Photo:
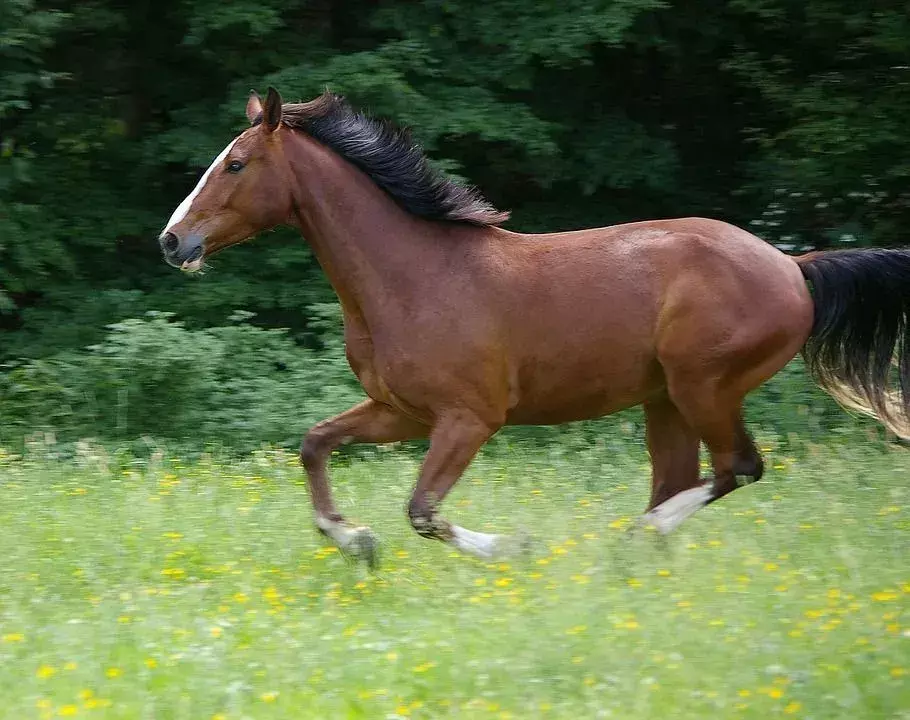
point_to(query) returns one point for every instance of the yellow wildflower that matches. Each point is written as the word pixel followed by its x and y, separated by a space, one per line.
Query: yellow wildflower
pixel 45 671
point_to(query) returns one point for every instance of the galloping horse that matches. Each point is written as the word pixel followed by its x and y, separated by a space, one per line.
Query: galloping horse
pixel 456 327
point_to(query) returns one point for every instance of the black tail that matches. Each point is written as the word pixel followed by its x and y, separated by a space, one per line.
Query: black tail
pixel 860 334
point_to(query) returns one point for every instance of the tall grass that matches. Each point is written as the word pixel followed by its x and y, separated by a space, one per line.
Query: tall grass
pixel 157 588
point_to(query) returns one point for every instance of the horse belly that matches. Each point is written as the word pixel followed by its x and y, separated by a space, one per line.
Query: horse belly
pixel 564 389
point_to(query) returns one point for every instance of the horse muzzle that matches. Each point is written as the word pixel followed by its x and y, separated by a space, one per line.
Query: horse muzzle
pixel 187 255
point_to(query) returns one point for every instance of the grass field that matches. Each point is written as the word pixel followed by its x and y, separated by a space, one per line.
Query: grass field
pixel 153 589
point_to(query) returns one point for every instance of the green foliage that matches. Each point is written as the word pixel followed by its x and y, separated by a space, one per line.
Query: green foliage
pixel 25 32
pixel 237 384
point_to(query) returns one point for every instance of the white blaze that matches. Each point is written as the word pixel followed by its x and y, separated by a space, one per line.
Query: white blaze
pixel 184 207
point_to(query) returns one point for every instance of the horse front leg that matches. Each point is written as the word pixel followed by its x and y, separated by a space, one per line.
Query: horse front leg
pixel 368 422
pixel 454 442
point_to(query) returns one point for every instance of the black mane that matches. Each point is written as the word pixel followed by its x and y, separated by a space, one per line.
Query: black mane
pixel 392 159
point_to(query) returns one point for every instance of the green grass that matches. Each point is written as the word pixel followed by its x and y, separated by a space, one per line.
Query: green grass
pixel 145 589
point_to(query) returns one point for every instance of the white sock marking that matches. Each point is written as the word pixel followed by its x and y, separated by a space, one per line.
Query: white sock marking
pixel 184 207
pixel 483 545
pixel 670 513
pixel 341 533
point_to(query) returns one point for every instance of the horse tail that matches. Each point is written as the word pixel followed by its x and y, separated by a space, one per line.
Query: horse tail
pixel 861 331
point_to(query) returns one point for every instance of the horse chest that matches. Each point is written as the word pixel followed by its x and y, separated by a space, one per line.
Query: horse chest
pixel 391 374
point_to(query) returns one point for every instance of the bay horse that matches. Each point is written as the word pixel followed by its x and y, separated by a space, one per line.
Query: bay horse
pixel 456 327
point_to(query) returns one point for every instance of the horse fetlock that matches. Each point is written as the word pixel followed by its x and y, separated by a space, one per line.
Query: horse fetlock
pixel 328 524
pixel 429 524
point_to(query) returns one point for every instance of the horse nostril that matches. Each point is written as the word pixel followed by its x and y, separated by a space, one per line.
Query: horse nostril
pixel 170 243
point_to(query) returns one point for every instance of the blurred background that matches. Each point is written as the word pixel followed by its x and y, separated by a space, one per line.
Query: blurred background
pixel 787 118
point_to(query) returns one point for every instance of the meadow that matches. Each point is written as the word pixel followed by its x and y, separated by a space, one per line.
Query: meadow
pixel 157 588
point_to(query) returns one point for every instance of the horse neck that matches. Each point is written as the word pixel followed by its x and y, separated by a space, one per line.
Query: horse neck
pixel 375 254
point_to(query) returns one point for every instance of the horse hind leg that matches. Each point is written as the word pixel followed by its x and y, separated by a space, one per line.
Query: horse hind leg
pixel 673 447
pixel 748 465
pixel 677 491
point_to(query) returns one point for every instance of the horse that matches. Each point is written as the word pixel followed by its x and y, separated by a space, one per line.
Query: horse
pixel 456 327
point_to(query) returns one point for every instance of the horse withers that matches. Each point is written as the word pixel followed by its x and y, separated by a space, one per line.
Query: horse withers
pixel 456 327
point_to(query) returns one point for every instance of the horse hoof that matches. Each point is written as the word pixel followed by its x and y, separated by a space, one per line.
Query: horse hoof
pixel 364 545
pixel 518 545
pixel 524 543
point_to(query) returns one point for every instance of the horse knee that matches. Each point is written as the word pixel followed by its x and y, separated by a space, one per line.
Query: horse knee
pixel 312 448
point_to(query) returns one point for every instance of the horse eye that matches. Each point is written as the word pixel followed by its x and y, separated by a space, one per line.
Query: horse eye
pixel 235 166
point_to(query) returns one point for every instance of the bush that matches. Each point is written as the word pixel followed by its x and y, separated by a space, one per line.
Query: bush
pixel 237 385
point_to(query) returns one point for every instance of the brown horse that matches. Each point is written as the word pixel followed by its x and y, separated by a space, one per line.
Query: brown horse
pixel 456 327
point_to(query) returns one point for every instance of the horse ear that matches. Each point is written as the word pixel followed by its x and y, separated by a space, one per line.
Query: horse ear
pixel 271 115
pixel 253 107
